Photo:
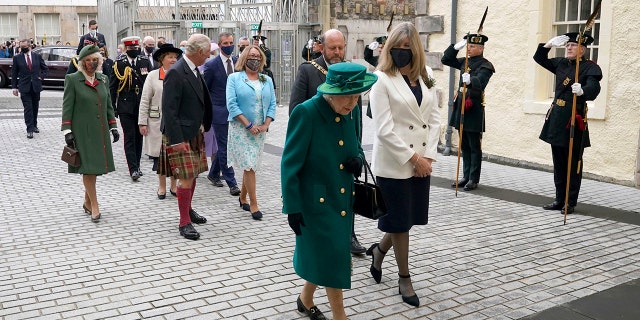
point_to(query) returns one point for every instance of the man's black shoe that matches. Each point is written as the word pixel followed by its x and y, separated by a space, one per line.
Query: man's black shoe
pixel 216 181
pixel 196 218
pixel 234 191
pixel 189 232
pixel 135 176
pixel 36 130
pixel 461 183
pixel 570 209
pixel 470 186
pixel 553 206
pixel 356 248
pixel 29 135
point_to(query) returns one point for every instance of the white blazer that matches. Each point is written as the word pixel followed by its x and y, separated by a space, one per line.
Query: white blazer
pixel 402 127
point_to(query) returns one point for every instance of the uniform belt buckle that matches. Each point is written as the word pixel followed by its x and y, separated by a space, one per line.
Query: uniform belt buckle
pixel 561 103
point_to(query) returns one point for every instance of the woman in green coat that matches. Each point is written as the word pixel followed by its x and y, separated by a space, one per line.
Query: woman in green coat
pixel 321 155
pixel 87 118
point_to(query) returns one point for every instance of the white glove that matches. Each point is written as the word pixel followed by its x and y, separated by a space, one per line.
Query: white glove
pixel 460 44
pixel 577 89
pixel 310 44
pixel 466 78
pixel 374 45
pixel 558 41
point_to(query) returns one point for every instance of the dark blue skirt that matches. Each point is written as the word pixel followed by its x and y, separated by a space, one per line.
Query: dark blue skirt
pixel 407 202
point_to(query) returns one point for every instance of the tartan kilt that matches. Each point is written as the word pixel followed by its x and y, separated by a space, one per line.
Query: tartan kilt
pixel 189 164
pixel 163 160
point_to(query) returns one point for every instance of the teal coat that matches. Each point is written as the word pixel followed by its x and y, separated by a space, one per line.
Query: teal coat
pixel 315 184
pixel 88 113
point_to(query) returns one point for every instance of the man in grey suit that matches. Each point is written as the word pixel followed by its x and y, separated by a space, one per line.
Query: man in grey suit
pixel 312 74
pixel 27 74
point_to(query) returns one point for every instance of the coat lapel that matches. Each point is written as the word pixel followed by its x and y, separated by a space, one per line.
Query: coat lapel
pixel 403 91
pixel 197 84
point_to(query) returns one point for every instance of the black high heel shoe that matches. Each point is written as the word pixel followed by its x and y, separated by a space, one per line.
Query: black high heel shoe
pixel 375 273
pixel 412 300
pixel 313 312
pixel 86 210
pixel 244 206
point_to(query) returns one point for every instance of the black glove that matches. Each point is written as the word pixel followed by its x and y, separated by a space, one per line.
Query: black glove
pixel 115 111
pixel 354 165
pixel 295 221
pixel 70 139
pixel 116 135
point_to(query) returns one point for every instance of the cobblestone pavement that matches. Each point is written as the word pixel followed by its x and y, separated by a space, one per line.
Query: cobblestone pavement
pixel 480 256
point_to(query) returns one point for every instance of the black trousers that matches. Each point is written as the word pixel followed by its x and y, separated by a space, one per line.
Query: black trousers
pixel 31 104
pixel 471 155
pixel 132 141
pixel 560 163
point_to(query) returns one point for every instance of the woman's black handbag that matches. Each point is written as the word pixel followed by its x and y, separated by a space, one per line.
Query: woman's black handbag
pixel 71 156
pixel 368 197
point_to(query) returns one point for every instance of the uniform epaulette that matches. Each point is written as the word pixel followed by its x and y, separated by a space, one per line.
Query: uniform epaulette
pixel 143 57
pixel 121 57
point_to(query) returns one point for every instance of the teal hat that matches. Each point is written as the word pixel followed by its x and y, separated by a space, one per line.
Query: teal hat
pixel 347 78
pixel 88 50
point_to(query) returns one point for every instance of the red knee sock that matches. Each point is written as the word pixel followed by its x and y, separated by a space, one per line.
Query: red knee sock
pixel 193 190
pixel 184 203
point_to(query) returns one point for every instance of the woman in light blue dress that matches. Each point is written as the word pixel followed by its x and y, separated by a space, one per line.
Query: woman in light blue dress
pixel 251 100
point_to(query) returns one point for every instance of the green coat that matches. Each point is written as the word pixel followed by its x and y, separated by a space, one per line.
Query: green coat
pixel 315 184
pixel 88 113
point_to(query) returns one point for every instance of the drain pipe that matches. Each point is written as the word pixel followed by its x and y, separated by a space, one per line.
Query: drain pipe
pixel 452 74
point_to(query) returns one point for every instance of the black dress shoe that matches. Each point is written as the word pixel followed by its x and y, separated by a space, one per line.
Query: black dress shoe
pixel 216 181
pixel 570 209
pixel 356 248
pixel 256 215
pixel 461 183
pixel 86 210
pixel 410 300
pixel 173 193
pixel 470 186
pixel 312 312
pixel 234 191
pixel 244 206
pixel 375 273
pixel 36 130
pixel 162 196
pixel 135 176
pixel 96 219
pixel 196 218
pixel 29 135
pixel 189 232
pixel 553 206
pixel 140 173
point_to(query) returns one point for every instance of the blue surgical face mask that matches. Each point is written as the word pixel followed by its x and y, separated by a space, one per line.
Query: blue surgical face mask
pixel 182 48
pixel 228 50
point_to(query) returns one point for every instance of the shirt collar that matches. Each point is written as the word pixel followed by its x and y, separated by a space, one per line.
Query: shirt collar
pixel 192 66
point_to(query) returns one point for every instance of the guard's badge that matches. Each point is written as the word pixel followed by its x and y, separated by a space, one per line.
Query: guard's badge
pixel 468 70
pixel 143 71
pixel 566 81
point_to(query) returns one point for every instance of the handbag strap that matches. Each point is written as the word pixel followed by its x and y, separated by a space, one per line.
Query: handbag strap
pixel 367 172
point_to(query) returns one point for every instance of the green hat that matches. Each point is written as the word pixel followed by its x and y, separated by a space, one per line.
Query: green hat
pixel 87 50
pixel 381 40
pixel 346 78
pixel 476 38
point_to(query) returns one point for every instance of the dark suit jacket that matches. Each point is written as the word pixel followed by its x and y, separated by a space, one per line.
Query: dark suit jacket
pixel 186 104
pixel 24 79
pixel 215 76
pixel 99 36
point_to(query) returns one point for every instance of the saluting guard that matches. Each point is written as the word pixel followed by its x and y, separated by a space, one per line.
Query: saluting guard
pixel 259 41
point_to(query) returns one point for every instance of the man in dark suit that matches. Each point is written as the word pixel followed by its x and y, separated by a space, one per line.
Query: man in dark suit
pixel 312 74
pixel 148 47
pixel 216 72
pixel 129 74
pixel 93 33
pixel 186 108
pixel 27 73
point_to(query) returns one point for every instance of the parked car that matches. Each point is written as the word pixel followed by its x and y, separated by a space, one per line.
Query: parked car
pixel 57 59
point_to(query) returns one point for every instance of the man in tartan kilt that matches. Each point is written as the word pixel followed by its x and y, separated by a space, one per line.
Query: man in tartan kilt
pixel 186 108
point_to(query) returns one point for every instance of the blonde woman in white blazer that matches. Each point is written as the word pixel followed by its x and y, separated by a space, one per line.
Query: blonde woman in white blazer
pixel 405 111
pixel 150 116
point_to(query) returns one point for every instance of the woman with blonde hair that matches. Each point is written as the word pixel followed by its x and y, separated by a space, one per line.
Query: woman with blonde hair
pixel 404 104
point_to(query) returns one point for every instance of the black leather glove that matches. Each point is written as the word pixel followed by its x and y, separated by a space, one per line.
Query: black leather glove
pixel 295 221
pixel 70 139
pixel 116 135
pixel 354 165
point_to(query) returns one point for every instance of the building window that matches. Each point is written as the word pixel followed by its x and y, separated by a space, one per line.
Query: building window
pixel 47 28
pixel 83 22
pixel 570 17
pixel 8 26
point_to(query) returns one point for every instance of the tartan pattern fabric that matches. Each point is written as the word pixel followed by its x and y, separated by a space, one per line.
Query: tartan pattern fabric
pixel 189 164
pixel 164 168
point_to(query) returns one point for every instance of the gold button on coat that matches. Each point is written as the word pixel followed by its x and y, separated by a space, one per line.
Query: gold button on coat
pixel 341 143
pixel 321 200
pixel 337 119
pixel 353 193
pixel 343 213
pixel 341 166
pixel 341 190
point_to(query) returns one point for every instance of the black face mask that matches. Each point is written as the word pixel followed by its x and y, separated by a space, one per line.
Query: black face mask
pixel 24 50
pixel 401 57
pixel 133 53
pixel 94 66
pixel 149 49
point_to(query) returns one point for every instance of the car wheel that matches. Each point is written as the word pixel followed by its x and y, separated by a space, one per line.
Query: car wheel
pixel 3 80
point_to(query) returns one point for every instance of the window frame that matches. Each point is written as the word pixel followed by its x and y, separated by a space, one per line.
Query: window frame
pixel 6 35
pixel 51 37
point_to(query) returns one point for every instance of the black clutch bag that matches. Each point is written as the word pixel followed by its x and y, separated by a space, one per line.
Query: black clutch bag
pixel 70 156
pixel 368 197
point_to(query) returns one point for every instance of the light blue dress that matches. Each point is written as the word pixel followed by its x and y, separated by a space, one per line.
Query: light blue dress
pixel 245 149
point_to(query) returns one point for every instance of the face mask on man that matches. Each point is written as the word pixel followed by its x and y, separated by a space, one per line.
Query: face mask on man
pixel 228 50
pixel 401 57
pixel 149 49
pixel 241 48
pixel 182 48
pixel 132 53
pixel 93 32
pixel 253 64
pixel 24 49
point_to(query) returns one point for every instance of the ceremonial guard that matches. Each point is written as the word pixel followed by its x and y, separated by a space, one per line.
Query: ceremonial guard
pixel 313 49
pixel 371 48
pixel 557 123
pixel 259 41
pixel 474 78
pixel 129 74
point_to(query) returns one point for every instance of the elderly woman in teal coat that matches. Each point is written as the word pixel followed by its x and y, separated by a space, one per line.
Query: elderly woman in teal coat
pixel 321 156
pixel 87 119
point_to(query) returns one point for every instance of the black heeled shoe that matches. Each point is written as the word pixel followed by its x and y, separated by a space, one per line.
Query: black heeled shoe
pixel 174 193
pixel 312 312
pixel 96 219
pixel 244 206
pixel 86 210
pixel 375 273
pixel 412 300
